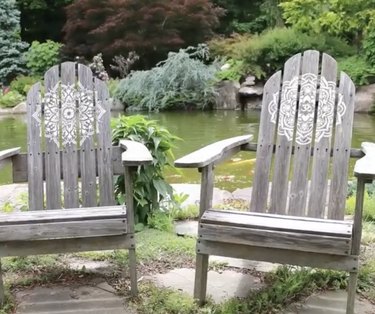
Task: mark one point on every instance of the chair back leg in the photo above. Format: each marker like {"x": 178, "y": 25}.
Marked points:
{"x": 2, "y": 293}
{"x": 200, "y": 284}
{"x": 133, "y": 272}
{"x": 352, "y": 285}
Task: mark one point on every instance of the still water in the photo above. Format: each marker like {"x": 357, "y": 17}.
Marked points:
{"x": 196, "y": 129}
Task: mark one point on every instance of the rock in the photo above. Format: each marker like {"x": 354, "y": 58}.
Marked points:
{"x": 249, "y": 81}
{"x": 116, "y": 105}
{"x": 365, "y": 98}
{"x": 250, "y": 91}
{"x": 227, "y": 95}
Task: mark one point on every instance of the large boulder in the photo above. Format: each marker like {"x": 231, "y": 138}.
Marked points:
{"x": 365, "y": 98}
{"x": 227, "y": 95}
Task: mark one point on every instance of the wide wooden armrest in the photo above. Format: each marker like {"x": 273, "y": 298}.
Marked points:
{"x": 365, "y": 167}
{"x": 4, "y": 154}
{"x": 212, "y": 153}
{"x": 135, "y": 153}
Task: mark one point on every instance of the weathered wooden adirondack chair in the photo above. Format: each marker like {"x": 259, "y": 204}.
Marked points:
{"x": 69, "y": 139}
{"x": 299, "y": 218}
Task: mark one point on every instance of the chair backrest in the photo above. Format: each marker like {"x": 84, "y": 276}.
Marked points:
{"x": 307, "y": 110}
{"x": 69, "y": 137}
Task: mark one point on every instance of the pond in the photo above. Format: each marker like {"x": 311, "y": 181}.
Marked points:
{"x": 196, "y": 129}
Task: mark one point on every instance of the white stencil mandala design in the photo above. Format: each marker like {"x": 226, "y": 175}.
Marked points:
{"x": 305, "y": 122}
{"x": 70, "y": 98}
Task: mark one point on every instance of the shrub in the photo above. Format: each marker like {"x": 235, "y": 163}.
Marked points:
{"x": 369, "y": 46}
{"x": 266, "y": 53}
{"x": 181, "y": 80}
{"x": 41, "y": 56}
{"x": 22, "y": 84}
{"x": 150, "y": 187}
{"x": 10, "y": 99}
{"x": 270, "y": 50}
{"x": 358, "y": 68}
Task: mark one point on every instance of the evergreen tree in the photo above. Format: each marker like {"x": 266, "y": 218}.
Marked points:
{"x": 12, "y": 60}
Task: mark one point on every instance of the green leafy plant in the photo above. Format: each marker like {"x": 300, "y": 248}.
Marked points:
{"x": 183, "y": 80}
{"x": 41, "y": 56}
{"x": 150, "y": 187}
{"x": 233, "y": 73}
{"x": 22, "y": 83}
{"x": 10, "y": 99}
{"x": 358, "y": 68}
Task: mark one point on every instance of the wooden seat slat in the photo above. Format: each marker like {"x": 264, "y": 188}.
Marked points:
{"x": 62, "y": 230}
{"x": 60, "y": 215}
{"x": 275, "y": 238}
{"x": 248, "y": 220}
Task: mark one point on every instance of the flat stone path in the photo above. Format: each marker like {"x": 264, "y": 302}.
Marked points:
{"x": 220, "y": 285}
{"x": 99, "y": 299}
{"x": 330, "y": 302}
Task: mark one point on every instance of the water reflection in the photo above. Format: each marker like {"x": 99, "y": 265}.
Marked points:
{"x": 196, "y": 129}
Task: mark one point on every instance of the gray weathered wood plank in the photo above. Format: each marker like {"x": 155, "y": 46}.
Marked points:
{"x": 273, "y": 255}
{"x": 277, "y": 239}
{"x": 285, "y": 134}
{"x": 135, "y": 154}
{"x": 76, "y": 214}
{"x": 212, "y": 153}
{"x": 343, "y": 138}
{"x": 69, "y": 128}
{"x": 34, "y": 162}
{"x": 322, "y": 142}
{"x": 304, "y": 132}
{"x": 265, "y": 145}
{"x": 104, "y": 144}
{"x": 25, "y": 248}
{"x": 87, "y": 156}
{"x": 7, "y": 153}
{"x": 247, "y": 220}
{"x": 52, "y": 136}
{"x": 62, "y": 230}
{"x": 365, "y": 167}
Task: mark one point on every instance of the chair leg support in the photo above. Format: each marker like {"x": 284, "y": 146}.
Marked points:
{"x": 200, "y": 284}
{"x": 2, "y": 293}
{"x": 352, "y": 285}
{"x": 133, "y": 272}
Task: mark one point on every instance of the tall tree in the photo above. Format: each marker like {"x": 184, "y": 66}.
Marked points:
{"x": 151, "y": 28}
{"x": 42, "y": 19}
{"x": 344, "y": 18}
{"x": 249, "y": 16}
{"x": 12, "y": 61}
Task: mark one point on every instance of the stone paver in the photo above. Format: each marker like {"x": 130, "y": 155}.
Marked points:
{"x": 220, "y": 286}
{"x": 330, "y": 302}
{"x": 99, "y": 299}
{"x": 186, "y": 228}
{"x": 102, "y": 267}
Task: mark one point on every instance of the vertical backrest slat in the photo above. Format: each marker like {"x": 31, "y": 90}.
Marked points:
{"x": 87, "y": 131}
{"x": 304, "y": 133}
{"x": 104, "y": 144}
{"x": 266, "y": 137}
{"x": 52, "y": 137}
{"x": 285, "y": 134}
{"x": 341, "y": 151}
{"x": 34, "y": 162}
{"x": 69, "y": 134}
{"x": 323, "y": 135}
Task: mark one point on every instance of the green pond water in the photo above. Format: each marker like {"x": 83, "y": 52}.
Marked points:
{"x": 196, "y": 129}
